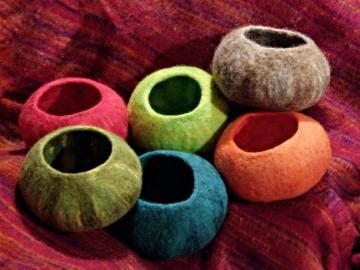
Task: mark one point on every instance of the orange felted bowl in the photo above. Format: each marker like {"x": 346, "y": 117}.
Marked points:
{"x": 272, "y": 156}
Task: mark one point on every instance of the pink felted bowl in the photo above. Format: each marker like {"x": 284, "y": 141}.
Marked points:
{"x": 72, "y": 101}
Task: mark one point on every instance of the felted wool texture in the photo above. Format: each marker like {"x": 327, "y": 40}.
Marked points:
{"x": 271, "y": 164}
{"x": 270, "y": 68}
{"x": 117, "y": 42}
{"x": 72, "y": 101}
{"x": 166, "y": 230}
{"x": 83, "y": 195}
{"x": 194, "y": 131}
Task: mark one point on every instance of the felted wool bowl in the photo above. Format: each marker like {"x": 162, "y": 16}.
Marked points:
{"x": 268, "y": 156}
{"x": 182, "y": 205}
{"x": 80, "y": 178}
{"x": 72, "y": 101}
{"x": 270, "y": 68}
{"x": 177, "y": 108}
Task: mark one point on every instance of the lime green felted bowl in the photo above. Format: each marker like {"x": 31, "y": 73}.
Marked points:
{"x": 177, "y": 108}
{"x": 80, "y": 178}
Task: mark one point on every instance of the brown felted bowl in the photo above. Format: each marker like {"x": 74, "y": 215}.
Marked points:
{"x": 271, "y": 69}
{"x": 272, "y": 156}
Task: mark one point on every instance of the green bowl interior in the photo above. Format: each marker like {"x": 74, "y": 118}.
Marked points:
{"x": 175, "y": 95}
{"x": 77, "y": 151}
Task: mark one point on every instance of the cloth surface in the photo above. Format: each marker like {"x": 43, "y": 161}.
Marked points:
{"x": 118, "y": 43}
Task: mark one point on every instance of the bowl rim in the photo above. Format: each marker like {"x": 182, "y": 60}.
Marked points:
{"x": 308, "y": 41}
{"x": 102, "y": 89}
{"x": 237, "y": 125}
{"x": 189, "y": 159}
{"x": 201, "y": 77}
{"x": 58, "y": 132}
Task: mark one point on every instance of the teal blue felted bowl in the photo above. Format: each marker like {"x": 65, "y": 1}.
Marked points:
{"x": 182, "y": 205}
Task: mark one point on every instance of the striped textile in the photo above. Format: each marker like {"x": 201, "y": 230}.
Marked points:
{"x": 118, "y": 42}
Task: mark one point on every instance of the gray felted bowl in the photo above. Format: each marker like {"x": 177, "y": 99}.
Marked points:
{"x": 271, "y": 69}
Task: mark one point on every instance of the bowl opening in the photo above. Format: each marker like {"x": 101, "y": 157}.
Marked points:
{"x": 274, "y": 38}
{"x": 77, "y": 151}
{"x": 166, "y": 179}
{"x": 265, "y": 131}
{"x": 175, "y": 95}
{"x": 69, "y": 98}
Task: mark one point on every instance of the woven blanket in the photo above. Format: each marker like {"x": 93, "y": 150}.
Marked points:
{"x": 118, "y": 42}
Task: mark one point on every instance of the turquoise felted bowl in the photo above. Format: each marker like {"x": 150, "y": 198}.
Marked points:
{"x": 181, "y": 208}
{"x": 177, "y": 108}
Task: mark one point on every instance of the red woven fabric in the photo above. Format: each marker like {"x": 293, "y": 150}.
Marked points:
{"x": 118, "y": 42}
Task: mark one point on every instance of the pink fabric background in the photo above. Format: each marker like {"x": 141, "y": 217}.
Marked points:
{"x": 118, "y": 43}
